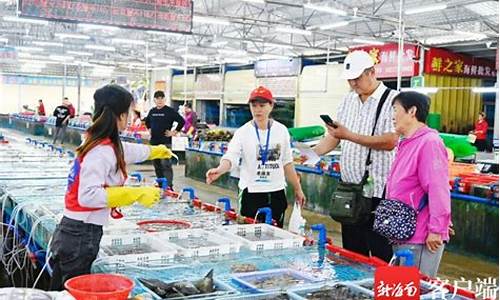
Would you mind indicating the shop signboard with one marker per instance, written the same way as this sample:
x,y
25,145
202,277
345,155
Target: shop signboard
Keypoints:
x,y
165,15
278,67
444,62
386,60
417,81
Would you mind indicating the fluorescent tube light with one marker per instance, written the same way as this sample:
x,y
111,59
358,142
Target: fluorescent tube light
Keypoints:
x,y
293,30
273,56
418,10
326,9
210,20
168,33
80,53
179,50
218,44
4,40
127,41
368,42
256,1
61,57
334,25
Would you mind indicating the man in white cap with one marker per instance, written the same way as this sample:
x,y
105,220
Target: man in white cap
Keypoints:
x,y
361,136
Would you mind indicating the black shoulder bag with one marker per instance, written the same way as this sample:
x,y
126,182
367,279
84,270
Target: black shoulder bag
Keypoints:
x,y
349,206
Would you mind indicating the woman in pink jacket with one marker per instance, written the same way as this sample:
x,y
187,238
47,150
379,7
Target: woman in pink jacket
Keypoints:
x,y
421,167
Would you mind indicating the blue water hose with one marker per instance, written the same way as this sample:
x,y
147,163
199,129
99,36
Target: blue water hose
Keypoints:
x,y
321,234
71,154
191,192
227,207
227,203
268,214
163,183
408,256
137,175
60,150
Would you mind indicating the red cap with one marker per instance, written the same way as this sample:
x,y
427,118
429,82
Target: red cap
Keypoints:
x,y
261,93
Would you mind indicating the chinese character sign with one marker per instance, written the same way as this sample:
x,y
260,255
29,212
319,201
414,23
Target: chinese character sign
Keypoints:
x,y
397,283
386,60
441,61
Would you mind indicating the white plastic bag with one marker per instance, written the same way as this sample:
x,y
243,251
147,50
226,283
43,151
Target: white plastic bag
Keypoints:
x,y
297,222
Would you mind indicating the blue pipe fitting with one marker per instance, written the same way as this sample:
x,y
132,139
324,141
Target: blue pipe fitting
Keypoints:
x,y
227,203
268,214
163,183
408,256
60,150
321,234
51,147
137,175
189,190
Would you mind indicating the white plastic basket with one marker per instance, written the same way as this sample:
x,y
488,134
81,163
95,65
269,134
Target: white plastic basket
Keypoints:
x,y
259,237
119,226
136,248
198,242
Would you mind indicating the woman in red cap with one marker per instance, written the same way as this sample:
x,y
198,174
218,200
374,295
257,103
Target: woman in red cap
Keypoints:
x,y
263,147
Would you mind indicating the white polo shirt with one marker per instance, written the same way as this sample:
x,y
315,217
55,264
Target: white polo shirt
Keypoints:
x,y
359,117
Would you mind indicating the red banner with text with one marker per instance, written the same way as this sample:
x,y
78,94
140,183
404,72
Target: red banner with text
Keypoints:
x,y
386,60
444,62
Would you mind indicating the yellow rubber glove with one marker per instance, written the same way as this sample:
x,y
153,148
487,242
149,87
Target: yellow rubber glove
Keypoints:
x,y
160,152
127,195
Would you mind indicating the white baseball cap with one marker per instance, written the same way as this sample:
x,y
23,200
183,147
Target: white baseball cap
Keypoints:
x,y
355,63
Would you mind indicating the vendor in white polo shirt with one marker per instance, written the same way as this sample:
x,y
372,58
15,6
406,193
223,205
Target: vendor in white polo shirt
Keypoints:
x,y
263,146
359,136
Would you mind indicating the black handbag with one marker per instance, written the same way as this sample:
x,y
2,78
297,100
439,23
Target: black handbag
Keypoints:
x,y
349,206
397,221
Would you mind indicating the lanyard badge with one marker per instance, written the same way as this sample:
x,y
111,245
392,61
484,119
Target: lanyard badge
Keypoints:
x,y
263,152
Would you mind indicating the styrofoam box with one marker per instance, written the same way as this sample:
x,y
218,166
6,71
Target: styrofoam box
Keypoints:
x,y
250,235
300,293
221,245
437,292
158,250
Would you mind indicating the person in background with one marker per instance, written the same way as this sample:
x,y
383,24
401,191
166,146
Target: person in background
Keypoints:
x,y
421,168
136,119
41,108
353,131
71,108
159,121
263,146
480,131
95,185
62,115
191,120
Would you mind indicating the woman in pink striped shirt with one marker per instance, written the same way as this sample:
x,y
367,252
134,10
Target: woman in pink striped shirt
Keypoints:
x,y
421,167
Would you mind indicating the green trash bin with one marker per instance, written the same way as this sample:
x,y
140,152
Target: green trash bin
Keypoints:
x,y
304,133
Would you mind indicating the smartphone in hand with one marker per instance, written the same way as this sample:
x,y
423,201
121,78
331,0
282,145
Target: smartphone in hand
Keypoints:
x,y
328,120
